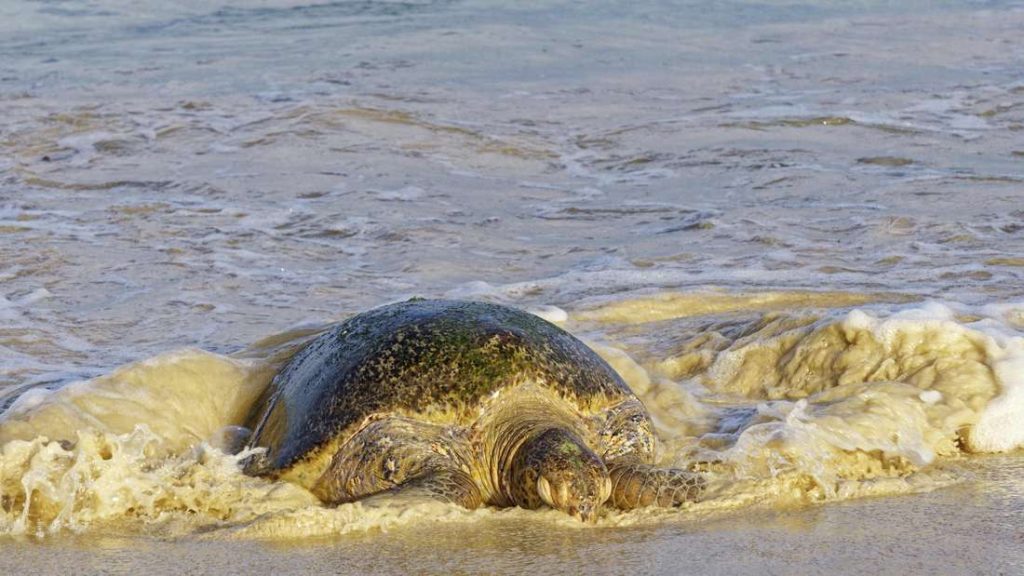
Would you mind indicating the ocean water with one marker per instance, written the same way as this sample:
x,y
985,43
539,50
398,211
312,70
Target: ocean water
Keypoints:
x,y
795,229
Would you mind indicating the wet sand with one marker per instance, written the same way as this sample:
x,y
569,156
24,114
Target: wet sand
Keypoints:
x,y
971,528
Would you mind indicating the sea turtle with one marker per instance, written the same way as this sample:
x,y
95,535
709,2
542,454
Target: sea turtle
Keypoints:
x,y
467,402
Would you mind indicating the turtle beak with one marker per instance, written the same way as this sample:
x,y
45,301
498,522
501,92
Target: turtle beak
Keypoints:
x,y
585,513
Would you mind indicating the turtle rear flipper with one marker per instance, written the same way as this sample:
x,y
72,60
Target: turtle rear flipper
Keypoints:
x,y
639,485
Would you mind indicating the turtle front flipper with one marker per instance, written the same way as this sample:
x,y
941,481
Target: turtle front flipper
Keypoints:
x,y
397,456
627,438
639,485
448,485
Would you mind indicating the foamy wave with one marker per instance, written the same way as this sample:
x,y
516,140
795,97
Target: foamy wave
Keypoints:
x,y
184,397
48,486
786,406
849,403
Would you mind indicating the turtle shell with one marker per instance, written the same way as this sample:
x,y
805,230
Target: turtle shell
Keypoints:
x,y
436,359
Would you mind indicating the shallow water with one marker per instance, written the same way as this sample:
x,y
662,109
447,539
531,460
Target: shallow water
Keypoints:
x,y
698,186
966,529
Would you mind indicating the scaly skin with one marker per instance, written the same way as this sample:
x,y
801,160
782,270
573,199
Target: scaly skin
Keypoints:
x,y
395,452
639,485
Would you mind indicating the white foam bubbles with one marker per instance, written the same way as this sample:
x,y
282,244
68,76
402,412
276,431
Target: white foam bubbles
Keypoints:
x,y
1001,425
552,314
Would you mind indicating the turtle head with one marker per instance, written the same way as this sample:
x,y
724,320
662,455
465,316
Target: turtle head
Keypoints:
x,y
556,468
